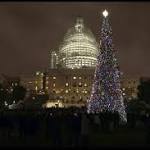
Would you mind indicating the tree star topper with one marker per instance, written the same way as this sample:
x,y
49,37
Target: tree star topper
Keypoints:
x,y
105,13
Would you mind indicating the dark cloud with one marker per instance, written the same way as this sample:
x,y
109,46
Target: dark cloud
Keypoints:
x,y
29,31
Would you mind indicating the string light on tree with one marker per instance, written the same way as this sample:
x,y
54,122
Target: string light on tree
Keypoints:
x,y
106,94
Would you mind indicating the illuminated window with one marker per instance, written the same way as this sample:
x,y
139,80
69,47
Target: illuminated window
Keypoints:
x,y
47,87
124,94
33,97
57,91
67,84
36,88
80,78
6,103
123,89
80,84
16,84
54,84
54,78
85,84
66,91
77,91
37,73
74,78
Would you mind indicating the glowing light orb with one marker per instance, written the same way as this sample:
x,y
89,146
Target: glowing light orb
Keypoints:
x,y
105,13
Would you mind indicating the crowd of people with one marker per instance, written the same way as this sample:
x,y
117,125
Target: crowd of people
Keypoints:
x,y
58,126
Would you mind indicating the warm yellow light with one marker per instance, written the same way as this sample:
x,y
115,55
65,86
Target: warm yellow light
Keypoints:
x,y
36,88
105,13
54,78
74,77
37,73
53,104
85,91
85,84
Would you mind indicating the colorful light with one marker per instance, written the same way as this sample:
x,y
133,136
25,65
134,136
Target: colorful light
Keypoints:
x,y
106,92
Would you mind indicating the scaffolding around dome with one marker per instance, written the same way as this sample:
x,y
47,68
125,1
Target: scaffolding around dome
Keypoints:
x,y
79,48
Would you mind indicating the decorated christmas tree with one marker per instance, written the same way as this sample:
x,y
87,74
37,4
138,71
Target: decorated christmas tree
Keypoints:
x,y
106,94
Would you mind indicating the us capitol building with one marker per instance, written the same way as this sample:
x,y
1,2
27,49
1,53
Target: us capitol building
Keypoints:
x,y
71,69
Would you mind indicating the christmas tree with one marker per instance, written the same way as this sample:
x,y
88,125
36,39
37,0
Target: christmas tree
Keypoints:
x,y
106,92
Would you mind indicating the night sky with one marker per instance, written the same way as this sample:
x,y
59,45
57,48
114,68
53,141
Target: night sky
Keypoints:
x,y
28,31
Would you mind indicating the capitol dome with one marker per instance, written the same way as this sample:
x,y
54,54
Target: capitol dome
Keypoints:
x,y
79,48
